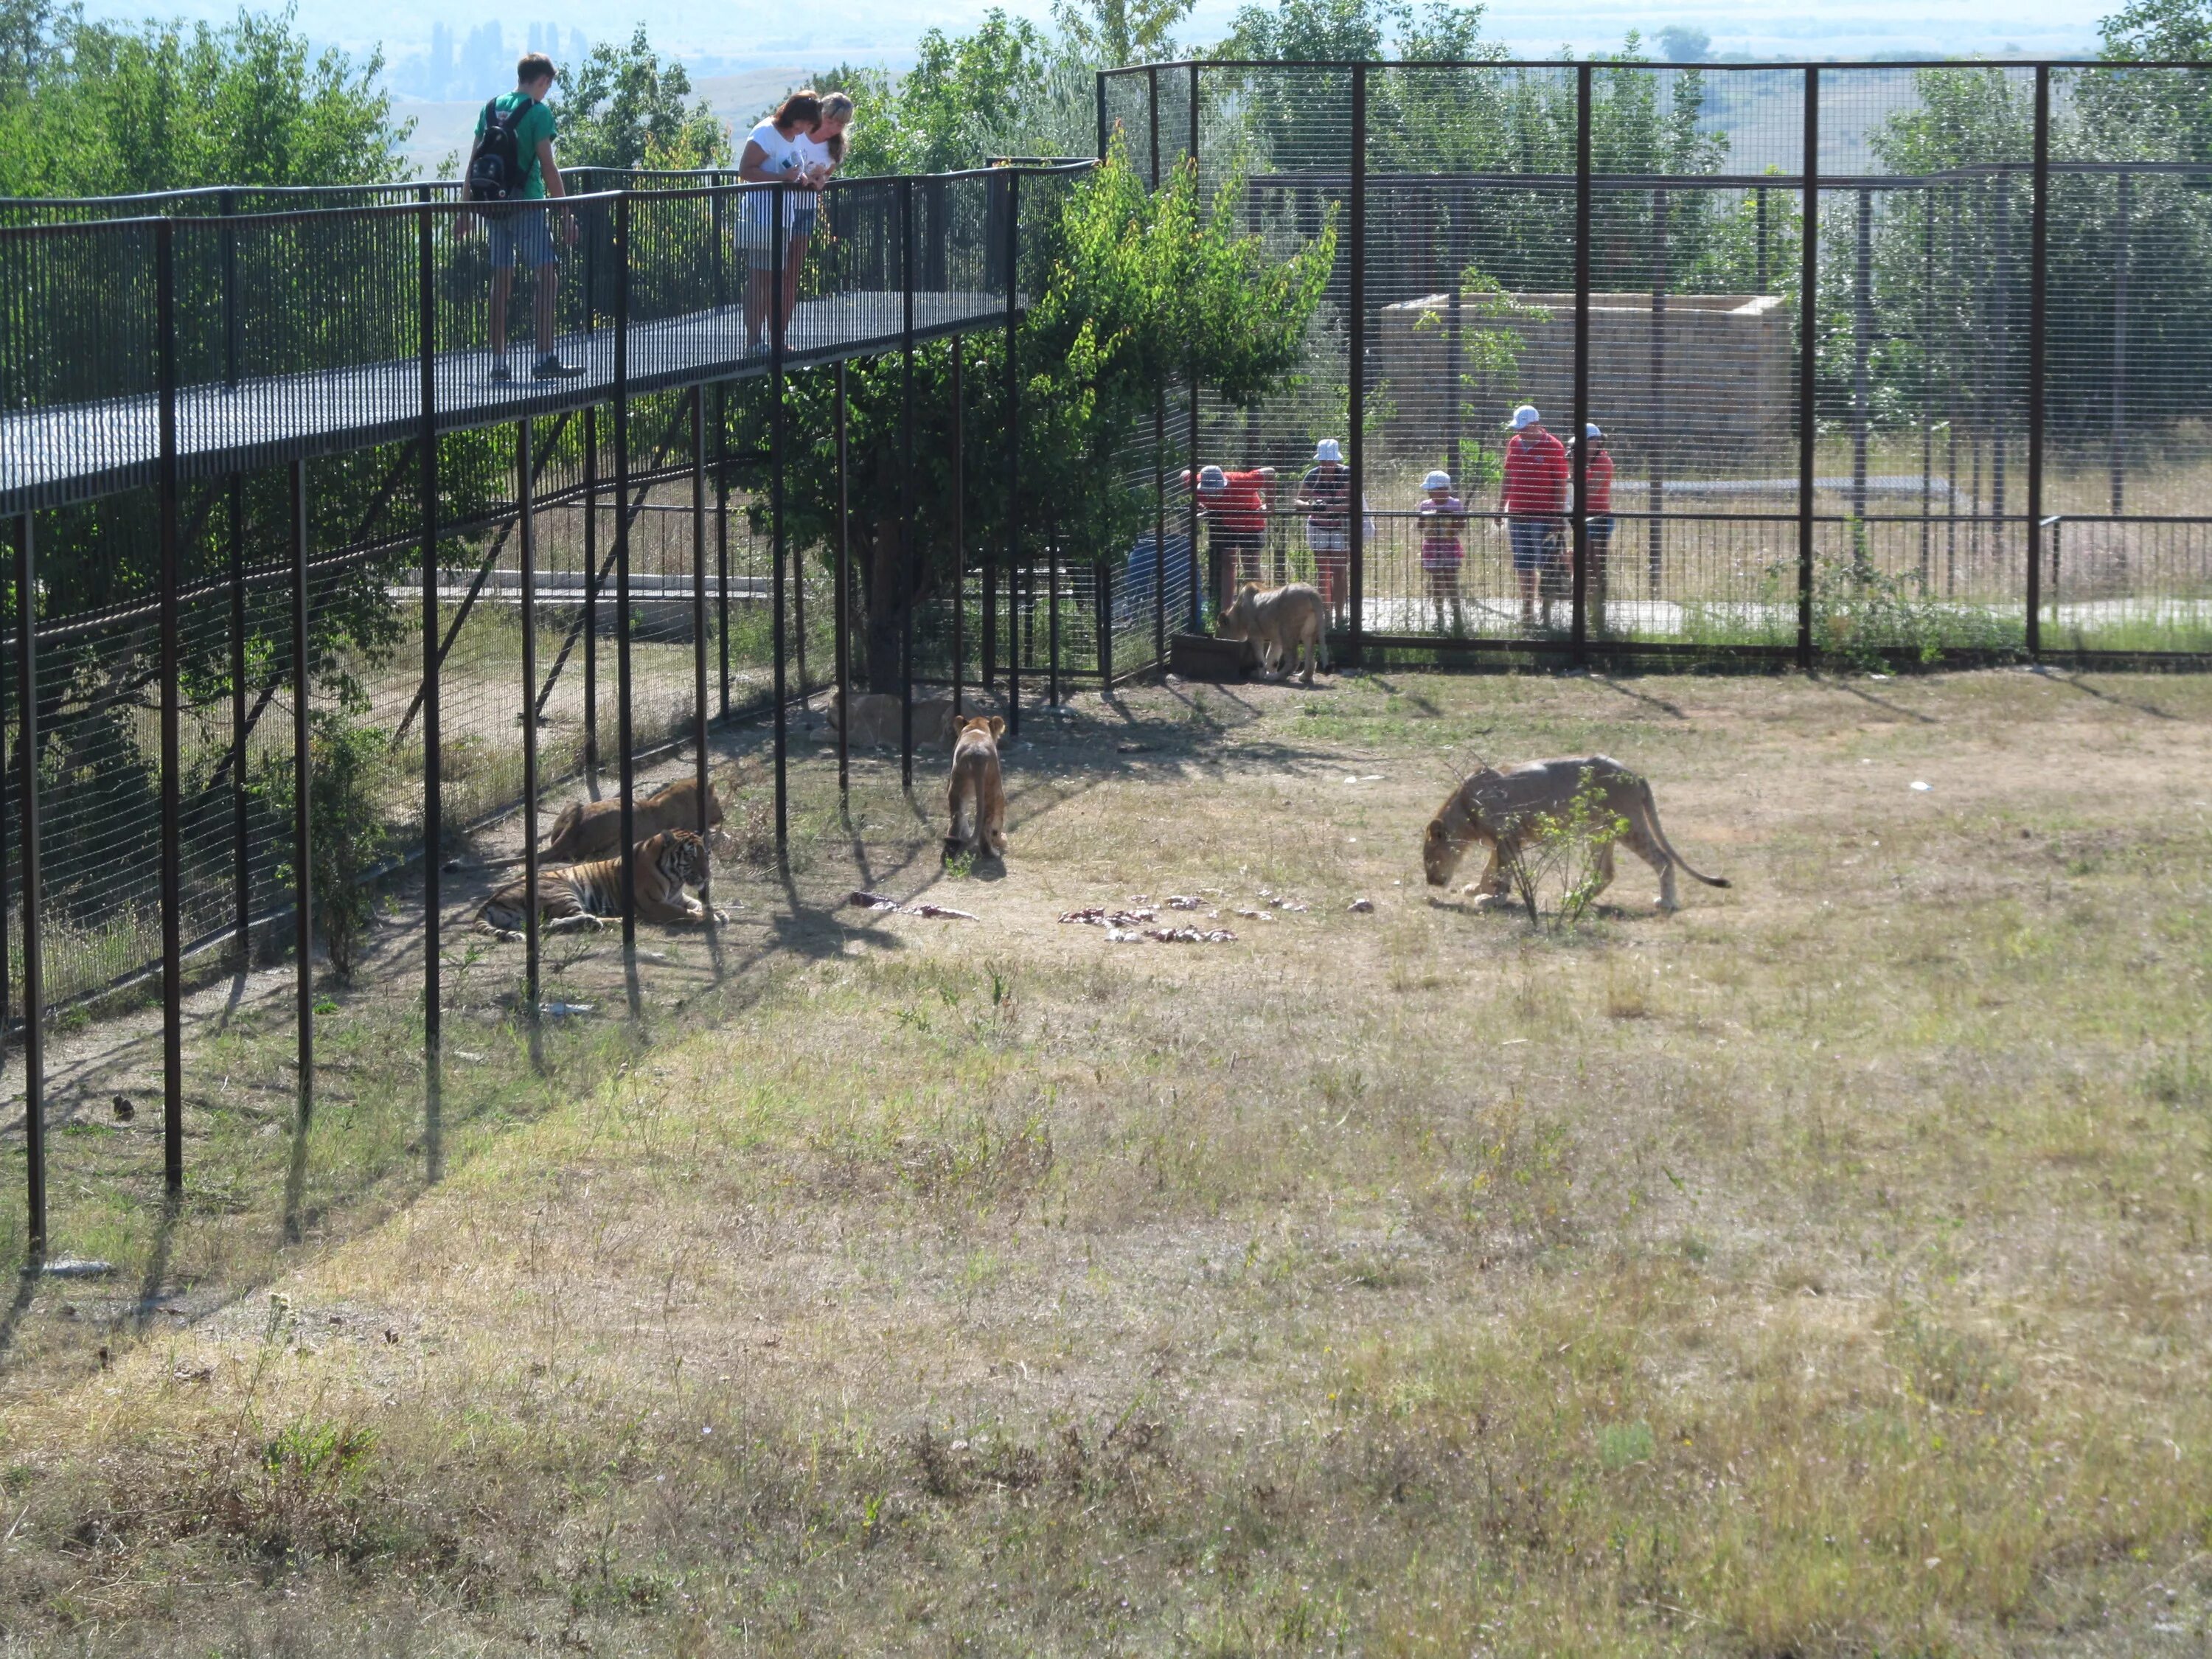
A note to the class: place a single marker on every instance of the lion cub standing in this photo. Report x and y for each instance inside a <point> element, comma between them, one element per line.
<point>1280,621</point>
<point>977,799</point>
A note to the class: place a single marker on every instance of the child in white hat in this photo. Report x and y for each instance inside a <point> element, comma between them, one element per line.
<point>1325,497</point>
<point>1441,515</point>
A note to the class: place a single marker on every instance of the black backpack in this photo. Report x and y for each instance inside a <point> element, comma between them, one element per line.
<point>496,170</point>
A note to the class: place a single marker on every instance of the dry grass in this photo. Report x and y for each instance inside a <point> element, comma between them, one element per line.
<point>1819,1271</point>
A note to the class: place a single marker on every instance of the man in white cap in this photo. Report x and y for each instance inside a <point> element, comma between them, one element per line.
<point>1535,499</point>
<point>1325,497</point>
<point>1235,509</point>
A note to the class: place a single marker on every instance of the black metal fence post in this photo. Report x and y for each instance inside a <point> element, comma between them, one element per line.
<point>526,529</point>
<point>1579,622</point>
<point>1160,525</point>
<point>910,560</point>
<point>433,802</point>
<point>1655,498</point>
<point>1356,370</point>
<point>172,971</point>
<point>1052,552</point>
<point>590,628</point>
<point>699,625</point>
<point>843,599</point>
<point>775,439</point>
<point>1101,94</point>
<point>959,535</point>
<point>303,810</point>
<point>232,340</point>
<point>2123,189</point>
<point>1153,122</point>
<point>1190,504</point>
<point>241,864</point>
<point>1013,457</point>
<point>2039,272</point>
<point>1808,323</point>
<point>26,802</point>
<point>625,736</point>
<point>722,535</point>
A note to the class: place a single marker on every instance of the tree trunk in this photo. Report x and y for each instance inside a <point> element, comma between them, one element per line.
<point>884,584</point>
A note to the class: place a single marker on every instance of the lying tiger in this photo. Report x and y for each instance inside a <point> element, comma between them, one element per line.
<point>590,895</point>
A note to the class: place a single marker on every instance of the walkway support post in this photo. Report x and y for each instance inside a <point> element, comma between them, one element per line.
<point>1013,458</point>
<point>172,972</point>
<point>624,736</point>
<point>1578,623</point>
<point>303,815</point>
<point>2038,272</point>
<point>26,801</point>
<point>1808,323</point>
<point>241,867</point>
<point>590,628</point>
<point>722,535</point>
<point>909,561</point>
<point>527,526</point>
<point>1190,506</point>
<point>959,536</point>
<point>843,599</point>
<point>776,440</point>
<point>699,623</point>
<point>432,803</point>
<point>1160,525</point>
<point>1356,371</point>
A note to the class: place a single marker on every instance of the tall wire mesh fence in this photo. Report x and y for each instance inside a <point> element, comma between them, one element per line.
<point>1964,416</point>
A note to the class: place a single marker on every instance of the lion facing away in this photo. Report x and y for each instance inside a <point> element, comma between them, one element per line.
<point>589,894</point>
<point>1494,807</point>
<point>977,800</point>
<point>588,829</point>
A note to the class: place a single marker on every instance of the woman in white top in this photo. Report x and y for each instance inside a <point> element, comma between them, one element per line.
<point>772,157</point>
<point>822,151</point>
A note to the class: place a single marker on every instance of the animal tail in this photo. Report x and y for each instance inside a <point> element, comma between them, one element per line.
<point>1659,835</point>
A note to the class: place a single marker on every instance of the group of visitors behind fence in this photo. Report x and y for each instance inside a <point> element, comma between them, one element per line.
<point>512,166</point>
<point>1534,500</point>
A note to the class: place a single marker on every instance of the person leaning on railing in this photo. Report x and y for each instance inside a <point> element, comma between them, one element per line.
<point>1534,500</point>
<point>1235,509</point>
<point>822,152</point>
<point>511,165</point>
<point>772,157</point>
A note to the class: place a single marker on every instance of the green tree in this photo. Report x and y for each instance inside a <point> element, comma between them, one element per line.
<point>1108,34</point>
<point>1131,287</point>
<point>95,109</point>
<point>626,107</point>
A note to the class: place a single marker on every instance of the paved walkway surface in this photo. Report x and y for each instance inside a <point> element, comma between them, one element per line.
<point>74,452</point>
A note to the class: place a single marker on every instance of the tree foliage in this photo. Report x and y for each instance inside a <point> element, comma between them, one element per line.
<point>626,106</point>
<point>1130,287</point>
<point>100,109</point>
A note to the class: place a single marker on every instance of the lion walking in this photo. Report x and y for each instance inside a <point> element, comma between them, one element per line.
<point>1504,808</point>
<point>976,801</point>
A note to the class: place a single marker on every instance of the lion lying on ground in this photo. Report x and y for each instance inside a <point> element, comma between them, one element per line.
<point>977,799</point>
<point>877,721</point>
<point>1506,808</point>
<point>1278,622</point>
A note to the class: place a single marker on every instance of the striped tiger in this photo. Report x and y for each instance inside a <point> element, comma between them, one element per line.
<point>590,895</point>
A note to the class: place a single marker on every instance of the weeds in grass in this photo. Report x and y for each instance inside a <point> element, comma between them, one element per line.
<point>1570,849</point>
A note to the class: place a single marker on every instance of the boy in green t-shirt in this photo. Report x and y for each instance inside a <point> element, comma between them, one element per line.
<point>520,234</point>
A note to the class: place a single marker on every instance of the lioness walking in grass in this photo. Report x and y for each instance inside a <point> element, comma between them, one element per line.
<point>1505,810</point>
<point>977,799</point>
<point>1278,621</point>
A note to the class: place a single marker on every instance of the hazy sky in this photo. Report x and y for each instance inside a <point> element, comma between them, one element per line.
<point>883,30</point>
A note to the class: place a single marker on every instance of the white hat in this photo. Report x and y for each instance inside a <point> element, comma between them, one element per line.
<point>1525,415</point>
<point>1328,450</point>
<point>1436,481</point>
<point>1212,477</point>
<point>1591,431</point>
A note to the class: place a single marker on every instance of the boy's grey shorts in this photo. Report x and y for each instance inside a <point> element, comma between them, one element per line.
<point>523,237</point>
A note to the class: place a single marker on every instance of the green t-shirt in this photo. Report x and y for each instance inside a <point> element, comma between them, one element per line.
<point>535,128</point>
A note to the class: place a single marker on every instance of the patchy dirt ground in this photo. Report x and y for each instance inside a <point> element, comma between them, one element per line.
<point>1819,1270</point>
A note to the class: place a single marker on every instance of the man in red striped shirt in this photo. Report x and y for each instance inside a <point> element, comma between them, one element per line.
<point>1534,500</point>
